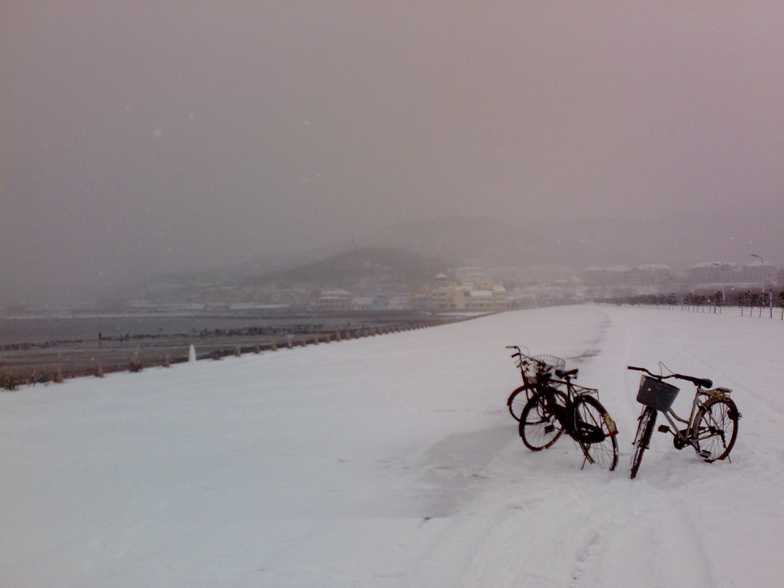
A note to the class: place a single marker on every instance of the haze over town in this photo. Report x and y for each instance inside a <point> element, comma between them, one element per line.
<point>241,242</point>
<point>146,138</point>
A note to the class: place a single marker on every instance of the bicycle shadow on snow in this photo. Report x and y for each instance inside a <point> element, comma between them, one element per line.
<point>454,469</point>
<point>460,467</point>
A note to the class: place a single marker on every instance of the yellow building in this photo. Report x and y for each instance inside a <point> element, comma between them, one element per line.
<point>471,297</point>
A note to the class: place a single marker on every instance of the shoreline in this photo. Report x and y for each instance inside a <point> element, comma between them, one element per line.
<point>54,360</point>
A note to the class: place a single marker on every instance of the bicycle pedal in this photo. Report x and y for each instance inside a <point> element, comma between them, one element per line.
<point>664,429</point>
<point>705,454</point>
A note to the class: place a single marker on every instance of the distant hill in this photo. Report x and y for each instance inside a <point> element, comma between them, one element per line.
<point>360,267</point>
<point>411,253</point>
<point>473,241</point>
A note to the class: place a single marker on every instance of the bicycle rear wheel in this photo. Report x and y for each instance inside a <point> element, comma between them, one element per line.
<point>643,437</point>
<point>595,432</point>
<point>716,428</point>
<point>539,425</point>
<point>517,401</point>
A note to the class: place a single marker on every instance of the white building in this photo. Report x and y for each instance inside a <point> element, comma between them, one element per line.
<point>334,300</point>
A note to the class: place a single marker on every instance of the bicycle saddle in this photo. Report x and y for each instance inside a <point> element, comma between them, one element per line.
<point>566,373</point>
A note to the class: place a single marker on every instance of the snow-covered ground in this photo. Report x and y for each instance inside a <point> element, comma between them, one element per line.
<point>391,461</point>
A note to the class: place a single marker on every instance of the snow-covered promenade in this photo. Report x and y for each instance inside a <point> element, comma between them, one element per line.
<point>391,461</point>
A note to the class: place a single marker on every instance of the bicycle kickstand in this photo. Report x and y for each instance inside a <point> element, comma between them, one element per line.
<point>586,459</point>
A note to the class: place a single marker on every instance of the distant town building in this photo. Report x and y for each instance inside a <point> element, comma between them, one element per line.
<point>641,275</point>
<point>362,303</point>
<point>714,273</point>
<point>423,301</point>
<point>334,300</point>
<point>759,273</point>
<point>708,275</point>
<point>479,295</point>
<point>650,274</point>
<point>399,302</point>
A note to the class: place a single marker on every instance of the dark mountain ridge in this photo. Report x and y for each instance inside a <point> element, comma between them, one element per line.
<point>411,253</point>
<point>362,266</point>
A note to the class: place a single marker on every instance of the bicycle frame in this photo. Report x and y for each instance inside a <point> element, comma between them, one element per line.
<point>567,414</point>
<point>672,416</point>
<point>558,406</point>
<point>564,414</point>
<point>711,428</point>
<point>700,396</point>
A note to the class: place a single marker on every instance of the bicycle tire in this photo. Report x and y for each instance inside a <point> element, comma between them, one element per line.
<point>539,425</point>
<point>517,401</point>
<point>595,432</point>
<point>716,420</point>
<point>642,438</point>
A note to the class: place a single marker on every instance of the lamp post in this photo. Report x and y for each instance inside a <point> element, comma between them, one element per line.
<point>762,269</point>
<point>762,262</point>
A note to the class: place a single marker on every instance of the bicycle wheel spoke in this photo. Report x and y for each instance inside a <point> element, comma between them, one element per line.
<point>517,401</point>
<point>716,428</point>
<point>595,433</point>
<point>642,438</point>
<point>539,425</point>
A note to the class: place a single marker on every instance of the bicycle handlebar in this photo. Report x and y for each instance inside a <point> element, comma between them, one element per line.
<point>701,382</point>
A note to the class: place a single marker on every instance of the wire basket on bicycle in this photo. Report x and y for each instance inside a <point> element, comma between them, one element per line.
<point>539,365</point>
<point>533,368</point>
<point>656,394</point>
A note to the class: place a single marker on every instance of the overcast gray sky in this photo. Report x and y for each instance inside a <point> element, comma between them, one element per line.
<point>157,136</point>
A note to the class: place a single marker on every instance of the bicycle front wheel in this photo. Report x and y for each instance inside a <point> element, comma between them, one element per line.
<point>517,401</point>
<point>716,428</point>
<point>643,437</point>
<point>595,432</point>
<point>539,425</point>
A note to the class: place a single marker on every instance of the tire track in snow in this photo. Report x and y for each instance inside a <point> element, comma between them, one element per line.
<point>647,530</point>
<point>586,561</point>
<point>594,347</point>
<point>655,513</point>
<point>560,526</point>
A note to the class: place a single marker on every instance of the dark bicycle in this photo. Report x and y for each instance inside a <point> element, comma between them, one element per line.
<point>559,406</point>
<point>532,369</point>
<point>711,428</point>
